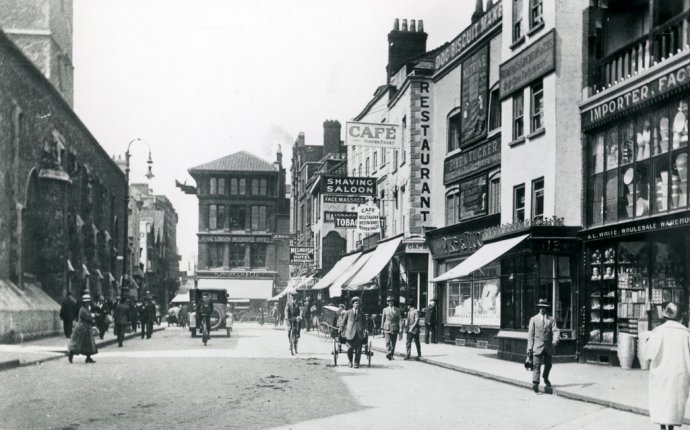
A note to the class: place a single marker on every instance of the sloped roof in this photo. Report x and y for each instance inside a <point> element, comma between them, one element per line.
<point>241,161</point>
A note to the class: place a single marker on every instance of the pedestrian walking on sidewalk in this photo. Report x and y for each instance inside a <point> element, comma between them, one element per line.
<point>412,323</point>
<point>133,315</point>
<point>82,340</point>
<point>353,329</point>
<point>390,323</point>
<point>430,322</point>
<point>150,311</point>
<point>68,313</point>
<point>542,338</point>
<point>121,318</point>
<point>668,351</point>
<point>100,315</point>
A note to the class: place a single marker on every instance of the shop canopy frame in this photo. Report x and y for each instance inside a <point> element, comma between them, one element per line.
<point>379,258</point>
<point>338,270</point>
<point>336,289</point>
<point>485,255</point>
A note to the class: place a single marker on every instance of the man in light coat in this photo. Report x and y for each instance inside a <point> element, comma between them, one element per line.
<point>542,337</point>
<point>412,324</point>
<point>390,324</point>
<point>668,351</point>
<point>353,329</point>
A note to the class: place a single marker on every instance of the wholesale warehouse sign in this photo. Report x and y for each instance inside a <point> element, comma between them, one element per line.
<point>301,254</point>
<point>371,134</point>
<point>352,186</point>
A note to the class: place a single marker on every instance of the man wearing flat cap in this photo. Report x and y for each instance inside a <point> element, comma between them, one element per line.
<point>542,338</point>
<point>390,324</point>
<point>353,329</point>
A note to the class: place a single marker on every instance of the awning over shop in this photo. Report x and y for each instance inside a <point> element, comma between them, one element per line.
<point>378,260</point>
<point>241,288</point>
<point>340,267</point>
<point>481,258</point>
<point>337,287</point>
<point>181,298</point>
<point>305,283</point>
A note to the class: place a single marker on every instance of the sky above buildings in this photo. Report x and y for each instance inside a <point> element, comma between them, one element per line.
<point>198,80</point>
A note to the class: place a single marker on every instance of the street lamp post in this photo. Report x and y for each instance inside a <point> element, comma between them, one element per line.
<point>125,242</point>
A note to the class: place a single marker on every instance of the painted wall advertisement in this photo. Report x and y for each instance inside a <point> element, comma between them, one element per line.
<point>473,194</point>
<point>474,95</point>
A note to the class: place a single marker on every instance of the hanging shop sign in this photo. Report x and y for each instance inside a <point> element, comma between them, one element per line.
<point>353,186</point>
<point>301,254</point>
<point>358,200</point>
<point>667,82</point>
<point>235,239</point>
<point>422,142</point>
<point>467,163</point>
<point>341,219</point>
<point>379,135</point>
<point>642,226</point>
<point>535,61</point>
<point>368,221</point>
<point>473,33</point>
<point>474,95</point>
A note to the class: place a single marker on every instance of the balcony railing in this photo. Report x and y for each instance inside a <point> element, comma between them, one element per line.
<point>661,44</point>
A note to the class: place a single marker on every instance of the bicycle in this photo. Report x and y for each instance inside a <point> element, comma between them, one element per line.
<point>293,334</point>
<point>204,330</point>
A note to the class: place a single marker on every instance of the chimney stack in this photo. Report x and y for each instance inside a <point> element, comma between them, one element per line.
<point>331,137</point>
<point>404,45</point>
<point>279,156</point>
<point>478,11</point>
<point>396,25</point>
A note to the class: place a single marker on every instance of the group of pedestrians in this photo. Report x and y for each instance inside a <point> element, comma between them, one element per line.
<point>93,318</point>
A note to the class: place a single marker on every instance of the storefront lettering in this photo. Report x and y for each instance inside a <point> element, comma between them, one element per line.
<point>425,152</point>
<point>236,239</point>
<point>469,162</point>
<point>636,96</point>
<point>534,62</point>
<point>349,186</point>
<point>465,242</point>
<point>640,227</point>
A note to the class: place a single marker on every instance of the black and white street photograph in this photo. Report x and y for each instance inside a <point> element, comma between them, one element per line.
<point>321,214</point>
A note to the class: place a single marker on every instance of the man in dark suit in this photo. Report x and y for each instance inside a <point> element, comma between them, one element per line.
<point>431,321</point>
<point>353,329</point>
<point>542,337</point>
<point>294,315</point>
<point>412,330</point>
<point>68,313</point>
<point>390,324</point>
<point>150,310</point>
<point>121,315</point>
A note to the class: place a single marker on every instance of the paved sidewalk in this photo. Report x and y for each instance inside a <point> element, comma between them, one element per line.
<point>613,387</point>
<point>50,348</point>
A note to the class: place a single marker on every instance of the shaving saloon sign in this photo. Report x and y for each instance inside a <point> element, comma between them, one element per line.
<point>377,135</point>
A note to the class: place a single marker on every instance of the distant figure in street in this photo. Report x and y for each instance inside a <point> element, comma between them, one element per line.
<point>100,315</point>
<point>353,329</point>
<point>133,316</point>
<point>274,315</point>
<point>143,316</point>
<point>668,351</point>
<point>121,315</point>
<point>542,337</point>
<point>82,340</point>
<point>390,324</point>
<point>151,315</point>
<point>412,323</point>
<point>68,313</point>
<point>315,314</point>
<point>183,316</point>
<point>430,321</point>
<point>307,313</point>
<point>204,311</point>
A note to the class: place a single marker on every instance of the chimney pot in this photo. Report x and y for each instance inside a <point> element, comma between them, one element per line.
<point>420,26</point>
<point>413,26</point>
<point>404,26</point>
<point>478,11</point>
<point>396,24</point>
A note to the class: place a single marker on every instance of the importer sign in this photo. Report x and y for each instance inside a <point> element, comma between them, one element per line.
<point>354,186</point>
<point>534,62</point>
<point>369,134</point>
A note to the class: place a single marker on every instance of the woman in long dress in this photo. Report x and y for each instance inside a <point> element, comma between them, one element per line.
<point>668,350</point>
<point>82,341</point>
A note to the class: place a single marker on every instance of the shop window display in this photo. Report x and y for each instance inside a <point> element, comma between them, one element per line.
<point>639,167</point>
<point>476,300</point>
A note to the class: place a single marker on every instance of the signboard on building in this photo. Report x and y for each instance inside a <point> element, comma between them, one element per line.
<point>342,219</point>
<point>368,221</point>
<point>467,163</point>
<point>473,33</point>
<point>348,186</point>
<point>358,200</point>
<point>235,238</point>
<point>240,274</point>
<point>535,61</point>
<point>301,254</point>
<point>474,95</point>
<point>421,144</point>
<point>473,197</point>
<point>144,228</point>
<point>456,244</point>
<point>376,135</point>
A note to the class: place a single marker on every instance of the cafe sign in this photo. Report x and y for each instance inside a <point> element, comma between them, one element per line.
<point>376,135</point>
<point>467,163</point>
<point>667,82</point>
<point>535,61</point>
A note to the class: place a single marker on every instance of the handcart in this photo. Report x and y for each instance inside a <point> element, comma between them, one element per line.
<point>331,321</point>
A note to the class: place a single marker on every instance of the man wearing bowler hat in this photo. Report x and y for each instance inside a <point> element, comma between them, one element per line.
<point>390,324</point>
<point>541,341</point>
<point>353,329</point>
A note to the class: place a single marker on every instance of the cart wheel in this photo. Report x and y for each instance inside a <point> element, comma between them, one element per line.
<point>193,332</point>
<point>335,352</point>
<point>369,354</point>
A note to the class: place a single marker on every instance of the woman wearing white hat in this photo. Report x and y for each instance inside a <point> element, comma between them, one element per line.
<point>668,350</point>
<point>82,340</point>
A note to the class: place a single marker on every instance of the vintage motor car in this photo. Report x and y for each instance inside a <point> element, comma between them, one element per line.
<point>221,317</point>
